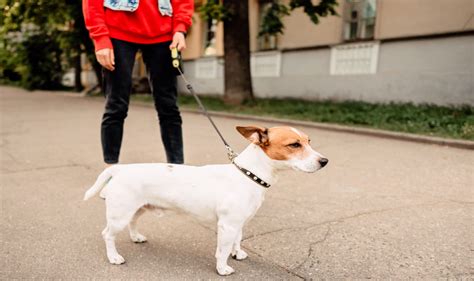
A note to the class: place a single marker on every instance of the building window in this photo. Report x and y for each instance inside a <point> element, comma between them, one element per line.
<point>355,58</point>
<point>265,42</point>
<point>210,28</point>
<point>359,19</point>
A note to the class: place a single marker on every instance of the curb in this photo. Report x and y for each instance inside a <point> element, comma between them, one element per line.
<point>463,144</point>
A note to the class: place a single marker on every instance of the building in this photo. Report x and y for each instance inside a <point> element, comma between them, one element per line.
<point>419,51</point>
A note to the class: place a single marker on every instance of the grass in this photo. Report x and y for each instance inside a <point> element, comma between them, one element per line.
<point>441,121</point>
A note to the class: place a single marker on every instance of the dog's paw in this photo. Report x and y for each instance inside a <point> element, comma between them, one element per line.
<point>240,255</point>
<point>138,238</point>
<point>116,259</point>
<point>226,270</point>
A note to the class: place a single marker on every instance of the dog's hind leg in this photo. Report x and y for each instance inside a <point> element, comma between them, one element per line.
<point>117,220</point>
<point>237,252</point>
<point>132,227</point>
<point>109,234</point>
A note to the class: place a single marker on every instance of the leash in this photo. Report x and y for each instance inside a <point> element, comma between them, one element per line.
<point>176,61</point>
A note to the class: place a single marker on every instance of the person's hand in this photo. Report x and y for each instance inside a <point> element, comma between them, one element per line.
<point>106,58</point>
<point>179,41</point>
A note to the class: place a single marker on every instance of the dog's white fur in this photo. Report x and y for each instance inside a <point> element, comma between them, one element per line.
<point>219,193</point>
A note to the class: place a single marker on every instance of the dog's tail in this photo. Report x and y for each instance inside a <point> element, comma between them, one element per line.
<point>101,181</point>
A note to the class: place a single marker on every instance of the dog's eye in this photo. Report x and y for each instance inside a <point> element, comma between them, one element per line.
<point>295,145</point>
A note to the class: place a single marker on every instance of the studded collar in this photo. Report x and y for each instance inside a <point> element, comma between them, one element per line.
<point>252,176</point>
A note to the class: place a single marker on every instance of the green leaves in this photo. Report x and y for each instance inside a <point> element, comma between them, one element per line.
<point>272,19</point>
<point>39,37</point>
<point>213,9</point>
<point>272,24</point>
<point>44,14</point>
<point>323,9</point>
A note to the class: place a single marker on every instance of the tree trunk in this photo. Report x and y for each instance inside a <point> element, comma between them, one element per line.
<point>77,71</point>
<point>237,78</point>
<point>89,49</point>
<point>98,73</point>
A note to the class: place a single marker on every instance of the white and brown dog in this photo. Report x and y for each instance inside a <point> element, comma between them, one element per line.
<point>228,194</point>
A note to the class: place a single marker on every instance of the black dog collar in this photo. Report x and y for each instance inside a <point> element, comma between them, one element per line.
<point>252,176</point>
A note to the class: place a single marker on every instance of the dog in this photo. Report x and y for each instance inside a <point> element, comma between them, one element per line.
<point>228,194</point>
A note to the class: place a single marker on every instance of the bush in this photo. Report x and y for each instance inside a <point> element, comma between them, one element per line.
<point>34,62</point>
<point>8,67</point>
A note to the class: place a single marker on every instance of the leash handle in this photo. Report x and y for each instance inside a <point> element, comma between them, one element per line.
<point>175,56</point>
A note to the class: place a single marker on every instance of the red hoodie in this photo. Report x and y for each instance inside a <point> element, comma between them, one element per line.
<point>145,25</point>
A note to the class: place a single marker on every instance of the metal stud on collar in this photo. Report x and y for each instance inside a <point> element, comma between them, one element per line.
<point>252,176</point>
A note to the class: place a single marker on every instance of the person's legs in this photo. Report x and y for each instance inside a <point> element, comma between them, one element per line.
<point>117,87</point>
<point>162,77</point>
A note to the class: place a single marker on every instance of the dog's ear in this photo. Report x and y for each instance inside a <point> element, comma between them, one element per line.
<point>257,135</point>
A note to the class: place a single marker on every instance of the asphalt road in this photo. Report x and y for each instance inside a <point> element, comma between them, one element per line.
<point>381,208</point>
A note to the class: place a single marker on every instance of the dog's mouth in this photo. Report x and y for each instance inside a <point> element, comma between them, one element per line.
<point>309,171</point>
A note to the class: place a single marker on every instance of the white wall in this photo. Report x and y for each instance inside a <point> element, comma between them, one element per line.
<point>437,70</point>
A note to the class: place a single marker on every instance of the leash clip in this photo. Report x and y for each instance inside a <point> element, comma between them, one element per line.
<point>231,154</point>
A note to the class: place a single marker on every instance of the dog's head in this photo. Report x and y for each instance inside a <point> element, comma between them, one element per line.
<point>286,145</point>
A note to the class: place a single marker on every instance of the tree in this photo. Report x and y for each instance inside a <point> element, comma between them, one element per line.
<point>234,14</point>
<point>45,35</point>
<point>238,82</point>
<point>32,48</point>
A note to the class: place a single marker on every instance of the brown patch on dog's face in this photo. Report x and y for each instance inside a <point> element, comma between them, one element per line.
<point>285,143</point>
<point>279,143</point>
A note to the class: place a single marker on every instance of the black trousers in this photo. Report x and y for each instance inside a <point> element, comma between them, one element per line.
<point>118,86</point>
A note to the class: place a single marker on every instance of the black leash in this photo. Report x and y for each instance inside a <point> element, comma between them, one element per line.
<point>176,60</point>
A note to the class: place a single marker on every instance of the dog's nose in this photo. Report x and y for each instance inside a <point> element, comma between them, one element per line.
<point>323,162</point>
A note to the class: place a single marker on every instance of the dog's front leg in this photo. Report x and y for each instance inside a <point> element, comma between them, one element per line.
<point>226,235</point>
<point>237,252</point>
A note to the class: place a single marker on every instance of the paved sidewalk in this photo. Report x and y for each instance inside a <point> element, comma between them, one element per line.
<point>380,209</point>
